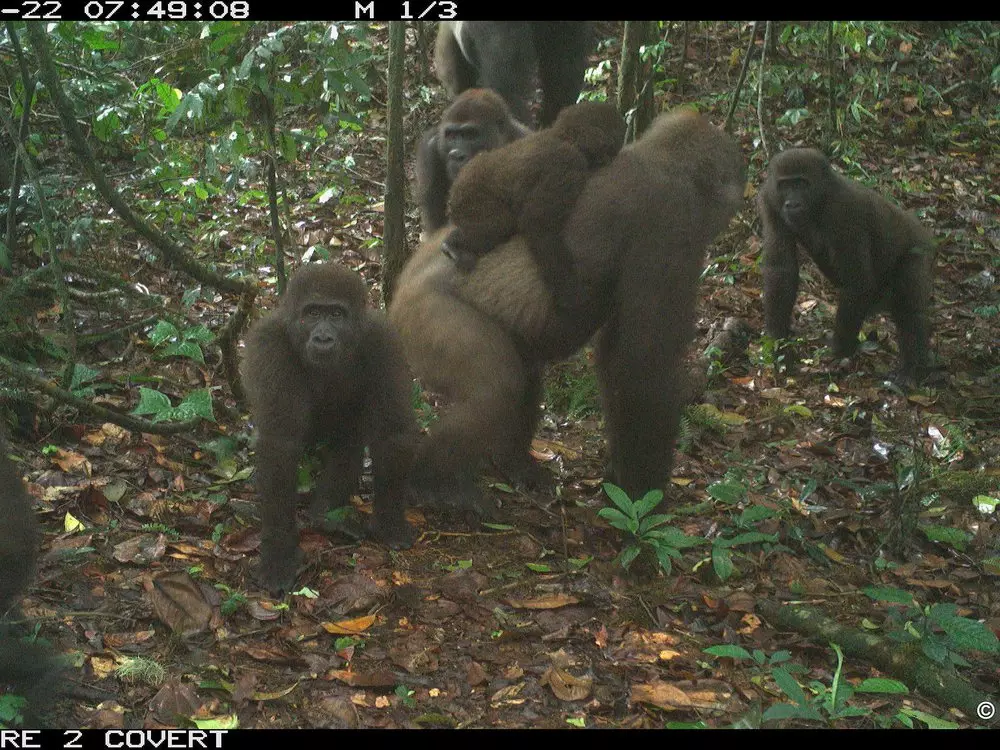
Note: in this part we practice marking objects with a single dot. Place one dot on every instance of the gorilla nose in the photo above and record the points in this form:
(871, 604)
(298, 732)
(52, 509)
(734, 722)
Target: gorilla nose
(459, 157)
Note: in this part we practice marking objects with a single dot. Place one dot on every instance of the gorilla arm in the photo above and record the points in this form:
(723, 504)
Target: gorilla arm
(282, 435)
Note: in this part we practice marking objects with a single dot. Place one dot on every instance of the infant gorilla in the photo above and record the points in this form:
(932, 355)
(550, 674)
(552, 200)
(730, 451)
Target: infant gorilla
(529, 187)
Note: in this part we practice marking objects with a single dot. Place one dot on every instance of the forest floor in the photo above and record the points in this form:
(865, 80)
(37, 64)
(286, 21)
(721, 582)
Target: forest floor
(808, 488)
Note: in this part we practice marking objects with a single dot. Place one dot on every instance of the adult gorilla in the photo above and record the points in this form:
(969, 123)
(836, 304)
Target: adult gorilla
(636, 241)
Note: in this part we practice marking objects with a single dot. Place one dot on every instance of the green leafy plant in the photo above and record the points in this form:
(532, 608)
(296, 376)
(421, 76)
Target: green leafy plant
(645, 529)
(425, 412)
(197, 404)
(571, 388)
(141, 669)
(942, 634)
(169, 341)
(826, 702)
(11, 710)
(405, 695)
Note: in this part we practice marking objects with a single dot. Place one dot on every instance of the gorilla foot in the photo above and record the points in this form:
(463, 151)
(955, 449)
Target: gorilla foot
(526, 473)
(276, 572)
(396, 535)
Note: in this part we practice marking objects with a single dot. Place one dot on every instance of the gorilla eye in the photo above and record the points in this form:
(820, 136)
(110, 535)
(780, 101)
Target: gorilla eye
(338, 312)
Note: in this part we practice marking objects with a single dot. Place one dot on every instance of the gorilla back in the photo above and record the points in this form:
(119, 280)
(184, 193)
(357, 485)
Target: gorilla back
(636, 239)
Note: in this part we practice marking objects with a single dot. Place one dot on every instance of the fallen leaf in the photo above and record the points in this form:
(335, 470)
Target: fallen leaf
(549, 601)
(141, 550)
(275, 694)
(565, 686)
(357, 626)
(179, 602)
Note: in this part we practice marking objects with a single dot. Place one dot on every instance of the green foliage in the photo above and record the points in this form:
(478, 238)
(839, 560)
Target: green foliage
(197, 404)
(405, 695)
(139, 669)
(233, 601)
(168, 341)
(425, 412)
(645, 529)
(571, 388)
(822, 703)
(160, 528)
(11, 710)
(942, 634)
(770, 354)
(82, 379)
(699, 419)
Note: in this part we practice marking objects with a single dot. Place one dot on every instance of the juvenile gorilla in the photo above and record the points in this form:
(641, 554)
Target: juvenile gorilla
(876, 254)
(636, 240)
(504, 56)
(529, 187)
(478, 120)
(323, 369)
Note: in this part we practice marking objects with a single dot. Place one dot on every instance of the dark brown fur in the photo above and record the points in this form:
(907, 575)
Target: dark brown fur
(504, 56)
(636, 239)
(639, 233)
(26, 667)
(876, 254)
(322, 367)
(478, 120)
(529, 187)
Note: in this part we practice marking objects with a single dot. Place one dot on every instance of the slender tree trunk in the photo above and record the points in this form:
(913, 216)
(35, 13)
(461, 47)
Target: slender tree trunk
(394, 231)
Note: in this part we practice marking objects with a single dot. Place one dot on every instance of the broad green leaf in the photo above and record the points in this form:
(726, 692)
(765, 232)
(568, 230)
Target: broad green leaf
(969, 634)
(932, 722)
(728, 492)
(649, 501)
(151, 402)
(752, 537)
(947, 535)
(789, 686)
(619, 498)
(729, 651)
(888, 594)
(882, 685)
(163, 332)
(628, 555)
(617, 519)
(651, 522)
(781, 711)
(663, 555)
(722, 563)
(197, 404)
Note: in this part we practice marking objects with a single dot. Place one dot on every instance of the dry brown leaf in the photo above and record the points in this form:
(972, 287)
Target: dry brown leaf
(141, 550)
(834, 555)
(508, 694)
(662, 695)
(69, 462)
(179, 602)
(357, 626)
(549, 601)
(275, 694)
(119, 640)
(565, 686)
(102, 666)
(174, 703)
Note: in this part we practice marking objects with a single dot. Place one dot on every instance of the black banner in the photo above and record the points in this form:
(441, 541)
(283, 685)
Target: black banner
(268, 10)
